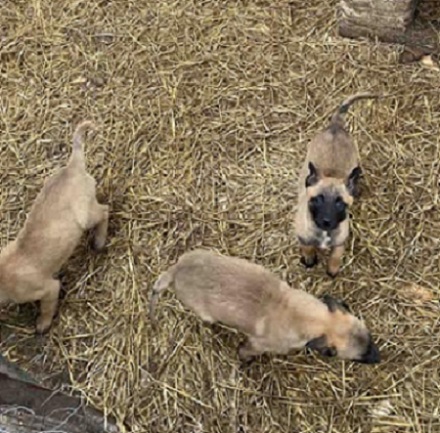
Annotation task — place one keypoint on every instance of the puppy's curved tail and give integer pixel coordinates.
(337, 119)
(78, 141)
(162, 283)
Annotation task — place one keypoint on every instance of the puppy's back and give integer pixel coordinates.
(60, 212)
(227, 289)
(207, 271)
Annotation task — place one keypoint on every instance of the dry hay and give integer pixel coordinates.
(205, 109)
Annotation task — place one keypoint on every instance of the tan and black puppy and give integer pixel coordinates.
(63, 210)
(275, 317)
(328, 182)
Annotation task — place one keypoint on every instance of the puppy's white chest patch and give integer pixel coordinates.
(325, 240)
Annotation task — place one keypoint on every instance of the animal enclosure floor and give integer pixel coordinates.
(204, 111)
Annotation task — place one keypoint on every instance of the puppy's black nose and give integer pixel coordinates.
(371, 356)
(326, 223)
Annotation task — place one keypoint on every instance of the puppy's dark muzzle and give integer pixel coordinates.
(327, 224)
(371, 356)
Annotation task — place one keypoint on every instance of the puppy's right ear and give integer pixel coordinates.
(312, 177)
(320, 345)
(353, 180)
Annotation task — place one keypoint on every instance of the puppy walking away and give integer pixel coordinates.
(63, 210)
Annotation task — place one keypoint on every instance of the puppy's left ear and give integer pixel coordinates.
(353, 180)
(334, 304)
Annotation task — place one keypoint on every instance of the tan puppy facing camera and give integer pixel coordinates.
(275, 317)
(63, 210)
(327, 184)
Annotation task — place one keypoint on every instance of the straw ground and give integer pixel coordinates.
(204, 111)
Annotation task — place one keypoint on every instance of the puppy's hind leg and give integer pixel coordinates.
(48, 305)
(309, 257)
(98, 220)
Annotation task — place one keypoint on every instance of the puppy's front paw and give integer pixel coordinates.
(333, 273)
(309, 262)
(245, 354)
(43, 325)
(98, 243)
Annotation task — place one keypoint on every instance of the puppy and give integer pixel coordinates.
(64, 209)
(275, 317)
(327, 184)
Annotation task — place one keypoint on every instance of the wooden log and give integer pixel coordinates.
(389, 21)
(26, 407)
(385, 19)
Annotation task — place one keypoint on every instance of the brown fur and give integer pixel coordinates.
(249, 298)
(334, 156)
(63, 210)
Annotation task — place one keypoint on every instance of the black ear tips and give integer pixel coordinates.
(334, 304)
(345, 305)
(320, 345)
(353, 180)
(356, 172)
(312, 177)
(317, 343)
(329, 301)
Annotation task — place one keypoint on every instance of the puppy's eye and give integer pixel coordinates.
(318, 199)
(339, 203)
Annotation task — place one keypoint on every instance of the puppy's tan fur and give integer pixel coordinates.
(245, 296)
(335, 156)
(64, 209)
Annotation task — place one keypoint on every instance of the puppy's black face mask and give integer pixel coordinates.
(327, 210)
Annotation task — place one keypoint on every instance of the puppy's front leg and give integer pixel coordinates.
(247, 351)
(334, 261)
(308, 255)
(48, 305)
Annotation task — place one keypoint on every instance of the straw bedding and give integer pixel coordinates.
(204, 111)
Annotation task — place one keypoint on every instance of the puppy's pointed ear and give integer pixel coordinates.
(353, 179)
(334, 304)
(320, 345)
(345, 306)
(312, 178)
(317, 343)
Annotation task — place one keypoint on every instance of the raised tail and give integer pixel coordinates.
(161, 284)
(343, 108)
(78, 141)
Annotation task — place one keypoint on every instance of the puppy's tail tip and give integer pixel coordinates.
(78, 135)
(346, 104)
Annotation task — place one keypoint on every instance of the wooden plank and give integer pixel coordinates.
(13, 371)
(26, 407)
